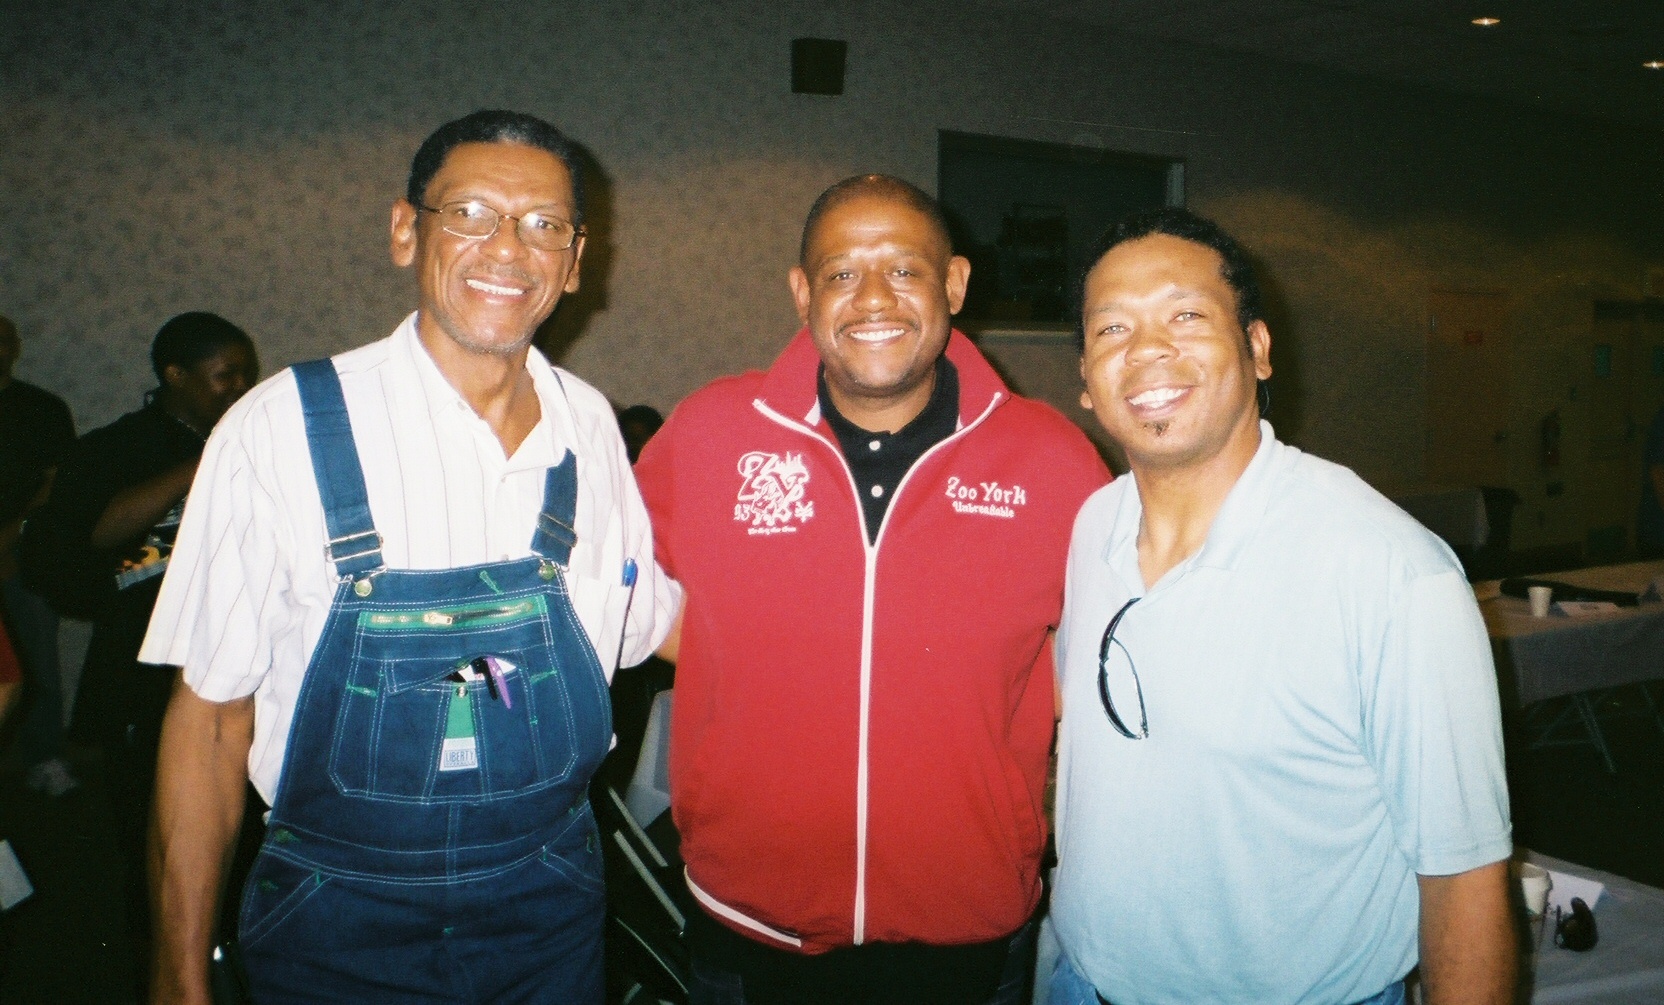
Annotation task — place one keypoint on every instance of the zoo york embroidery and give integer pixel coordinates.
(985, 498)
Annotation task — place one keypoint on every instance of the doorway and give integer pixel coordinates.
(1624, 371)
(1468, 437)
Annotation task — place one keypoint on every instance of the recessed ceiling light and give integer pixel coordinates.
(1486, 22)
(1654, 64)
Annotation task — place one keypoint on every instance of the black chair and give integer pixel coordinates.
(647, 896)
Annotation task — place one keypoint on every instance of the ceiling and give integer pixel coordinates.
(1579, 56)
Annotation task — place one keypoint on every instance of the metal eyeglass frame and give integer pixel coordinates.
(1103, 680)
(499, 216)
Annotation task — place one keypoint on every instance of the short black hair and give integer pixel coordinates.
(188, 339)
(494, 126)
(883, 186)
(1235, 269)
(644, 415)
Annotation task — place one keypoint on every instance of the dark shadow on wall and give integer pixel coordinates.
(556, 336)
(1286, 387)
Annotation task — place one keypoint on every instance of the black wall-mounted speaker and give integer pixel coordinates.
(818, 65)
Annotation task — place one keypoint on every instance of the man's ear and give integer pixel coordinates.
(402, 239)
(798, 280)
(1259, 342)
(958, 280)
(577, 257)
(172, 374)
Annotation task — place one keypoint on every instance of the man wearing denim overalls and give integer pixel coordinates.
(401, 584)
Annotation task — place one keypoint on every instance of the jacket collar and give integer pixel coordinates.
(789, 385)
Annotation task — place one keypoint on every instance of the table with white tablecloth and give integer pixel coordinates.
(1626, 967)
(1560, 655)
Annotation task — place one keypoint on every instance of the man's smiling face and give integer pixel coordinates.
(488, 295)
(1169, 371)
(878, 289)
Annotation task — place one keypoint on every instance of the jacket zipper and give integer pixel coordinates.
(868, 586)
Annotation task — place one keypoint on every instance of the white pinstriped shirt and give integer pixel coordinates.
(248, 588)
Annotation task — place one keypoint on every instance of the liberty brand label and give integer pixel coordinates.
(460, 751)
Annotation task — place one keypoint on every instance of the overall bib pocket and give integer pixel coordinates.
(454, 703)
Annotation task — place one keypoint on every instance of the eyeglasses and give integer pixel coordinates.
(476, 221)
(1103, 679)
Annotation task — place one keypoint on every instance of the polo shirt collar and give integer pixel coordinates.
(417, 371)
(1239, 519)
(1234, 526)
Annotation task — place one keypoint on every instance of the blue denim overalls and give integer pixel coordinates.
(431, 840)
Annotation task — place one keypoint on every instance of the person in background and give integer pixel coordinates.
(1649, 522)
(1280, 773)
(634, 688)
(36, 430)
(100, 543)
(404, 578)
(11, 676)
(638, 423)
(871, 535)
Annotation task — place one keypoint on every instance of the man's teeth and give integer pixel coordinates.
(493, 288)
(876, 336)
(1156, 396)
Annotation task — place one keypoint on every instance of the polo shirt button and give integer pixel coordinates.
(878, 491)
(874, 445)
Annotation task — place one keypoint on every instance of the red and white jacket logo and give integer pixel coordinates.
(772, 493)
(985, 498)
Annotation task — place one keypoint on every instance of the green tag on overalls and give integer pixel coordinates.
(460, 751)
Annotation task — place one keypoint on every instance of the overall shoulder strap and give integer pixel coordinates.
(354, 546)
(557, 525)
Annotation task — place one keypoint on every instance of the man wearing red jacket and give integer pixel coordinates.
(872, 536)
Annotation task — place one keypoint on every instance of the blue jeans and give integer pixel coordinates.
(710, 984)
(1068, 987)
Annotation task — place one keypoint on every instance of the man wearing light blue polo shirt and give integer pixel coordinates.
(1280, 771)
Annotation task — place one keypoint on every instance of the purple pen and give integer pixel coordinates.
(494, 676)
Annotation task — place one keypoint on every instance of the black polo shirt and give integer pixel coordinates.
(36, 432)
(880, 460)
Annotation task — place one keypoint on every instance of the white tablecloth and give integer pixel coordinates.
(1626, 967)
(1557, 655)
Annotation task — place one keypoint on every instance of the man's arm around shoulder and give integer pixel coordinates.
(201, 773)
(1469, 950)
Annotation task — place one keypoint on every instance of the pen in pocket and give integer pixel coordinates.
(630, 571)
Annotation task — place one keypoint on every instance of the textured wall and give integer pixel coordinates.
(241, 157)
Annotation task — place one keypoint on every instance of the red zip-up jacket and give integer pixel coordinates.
(859, 738)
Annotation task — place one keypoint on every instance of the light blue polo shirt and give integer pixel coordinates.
(1323, 725)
